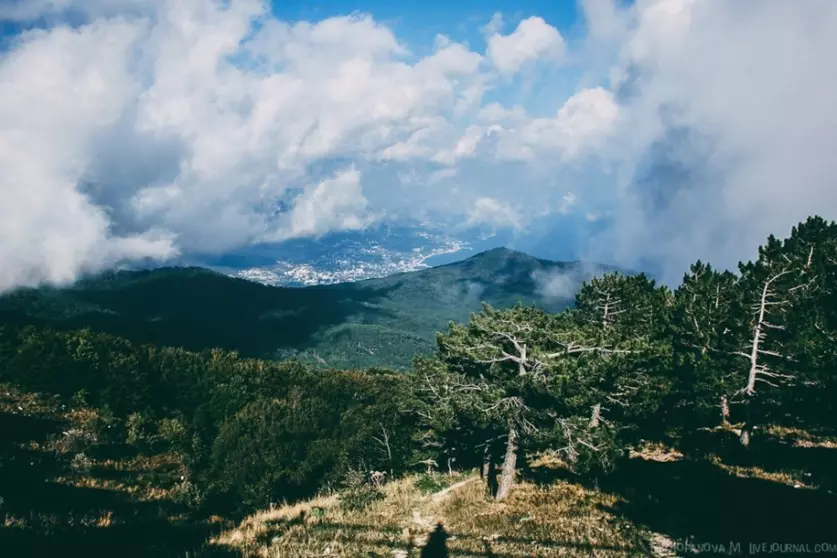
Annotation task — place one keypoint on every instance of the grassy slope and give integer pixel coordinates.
(561, 519)
(658, 503)
(379, 322)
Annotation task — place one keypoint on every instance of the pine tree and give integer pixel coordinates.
(707, 327)
(781, 288)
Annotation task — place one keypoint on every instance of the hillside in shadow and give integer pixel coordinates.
(49, 509)
(375, 322)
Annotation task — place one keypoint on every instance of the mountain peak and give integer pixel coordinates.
(499, 250)
(502, 253)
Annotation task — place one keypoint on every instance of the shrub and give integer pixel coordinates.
(104, 425)
(74, 440)
(187, 493)
(80, 399)
(135, 429)
(81, 464)
(358, 492)
(171, 432)
(429, 483)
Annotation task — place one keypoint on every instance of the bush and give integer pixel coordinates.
(172, 433)
(104, 425)
(187, 493)
(359, 492)
(273, 451)
(80, 399)
(74, 440)
(429, 483)
(135, 429)
(81, 464)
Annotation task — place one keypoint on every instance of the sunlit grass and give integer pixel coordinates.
(561, 519)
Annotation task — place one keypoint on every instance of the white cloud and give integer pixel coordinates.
(494, 25)
(334, 204)
(177, 127)
(564, 284)
(467, 144)
(51, 231)
(605, 23)
(558, 285)
(166, 126)
(727, 127)
(495, 112)
(533, 39)
(442, 174)
(493, 212)
(582, 125)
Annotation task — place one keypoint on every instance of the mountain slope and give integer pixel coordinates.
(375, 322)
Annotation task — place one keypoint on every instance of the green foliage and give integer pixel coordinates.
(172, 432)
(249, 431)
(707, 330)
(80, 463)
(80, 398)
(188, 494)
(631, 361)
(430, 483)
(135, 425)
(579, 383)
(379, 322)
(358, 492)
(624, 306)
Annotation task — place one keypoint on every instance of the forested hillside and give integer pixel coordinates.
(706, 413)
(378, 322)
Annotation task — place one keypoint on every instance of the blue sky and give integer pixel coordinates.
(139, 132)
(421, 20)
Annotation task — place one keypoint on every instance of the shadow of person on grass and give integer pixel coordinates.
(437, 545)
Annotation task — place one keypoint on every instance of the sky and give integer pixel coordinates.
(137, 130)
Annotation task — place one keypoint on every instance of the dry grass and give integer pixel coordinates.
(795, 479)
(802, 438)
(14, 401)
(558, 520)
(655, 451)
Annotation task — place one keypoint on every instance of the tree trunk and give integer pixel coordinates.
(491, 479)
(744, 437)
(595, 416)
(521, 365)
(509, 472)
(724, 411)
(486, 462)
(746, 428)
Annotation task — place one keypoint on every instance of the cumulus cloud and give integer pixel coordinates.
(582, 125)
(50, 229)
(533, 39)
(158, 127)
(334, 204)
(726, 127)
(177, 127)
(489, 211)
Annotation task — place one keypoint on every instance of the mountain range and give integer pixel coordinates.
(376, 322)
